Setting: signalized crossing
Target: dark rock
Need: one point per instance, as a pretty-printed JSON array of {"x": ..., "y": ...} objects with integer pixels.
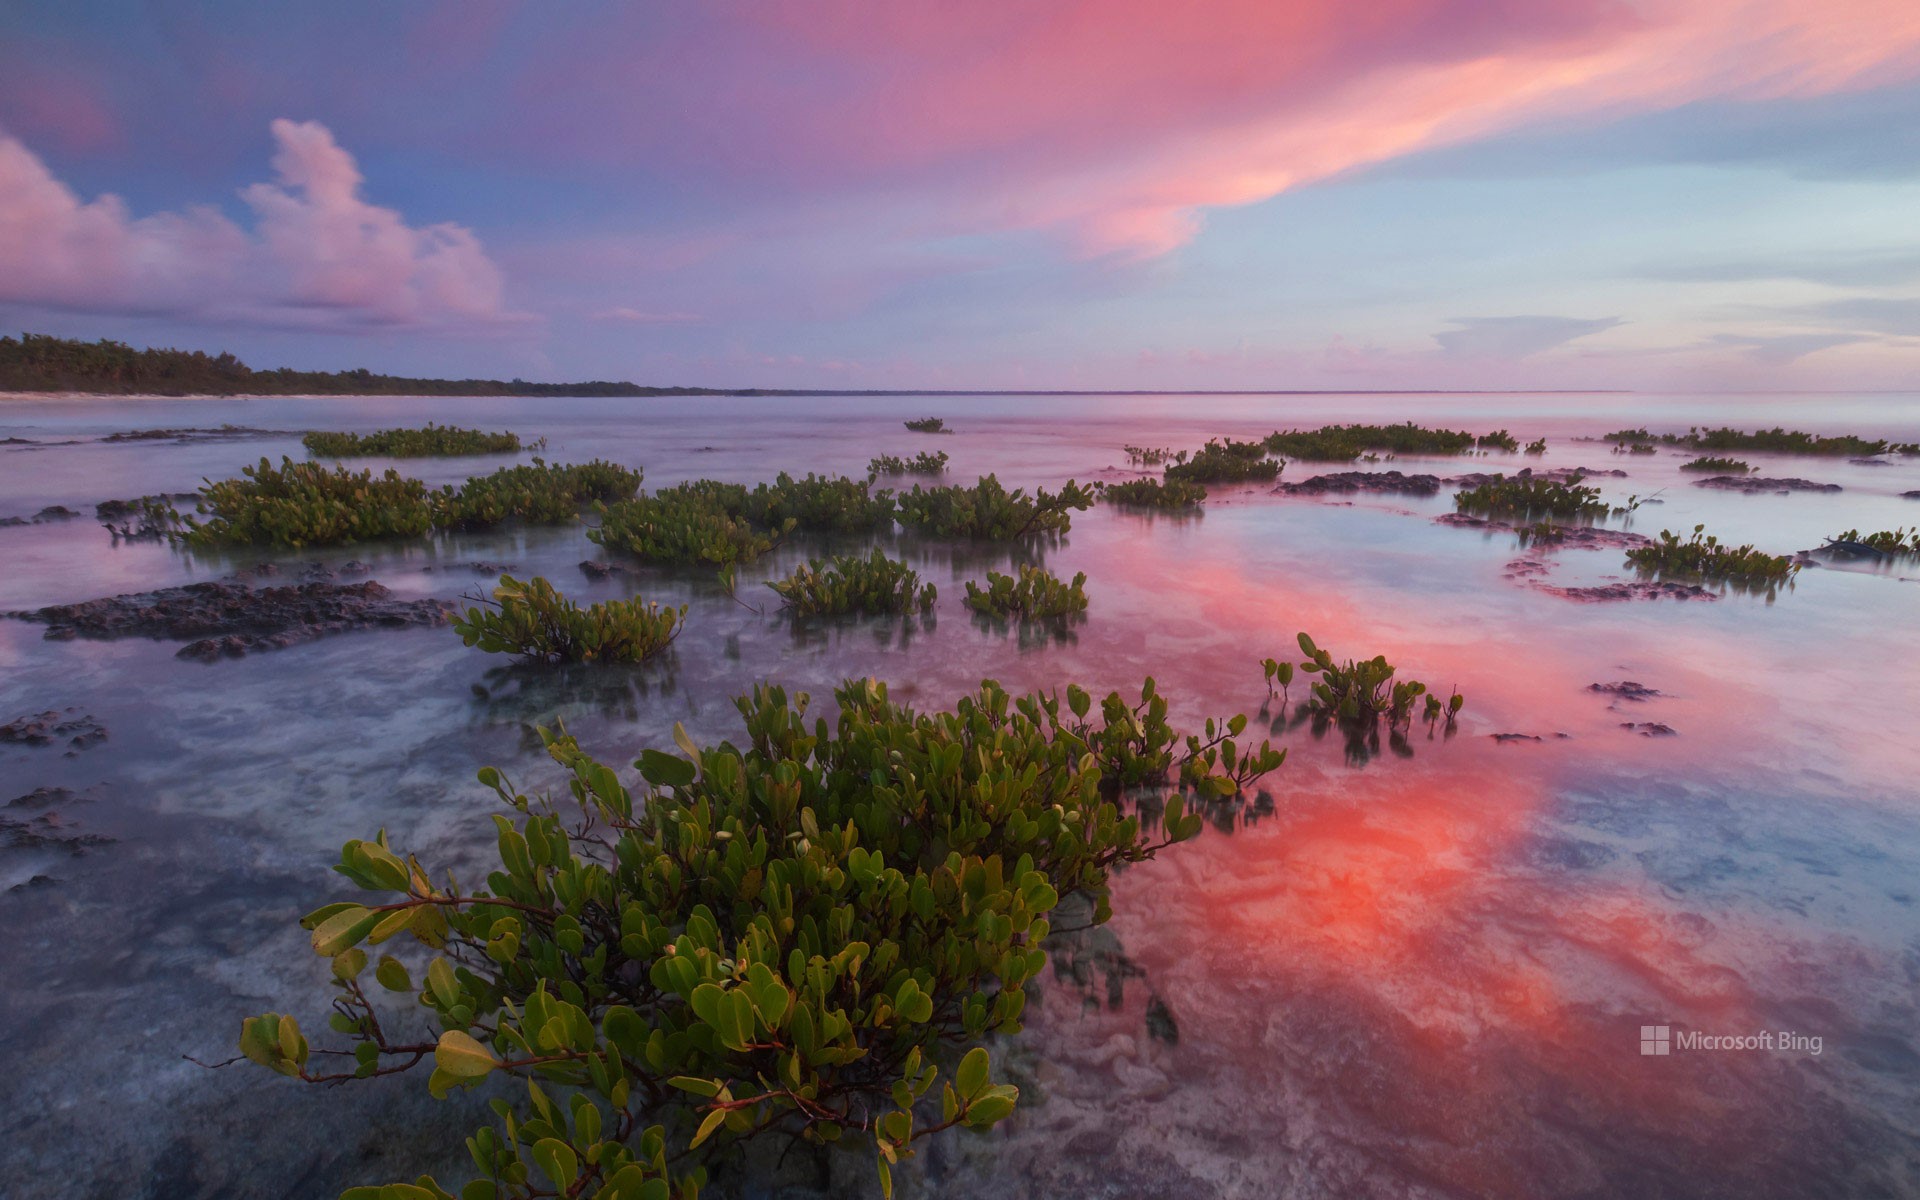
[
  {"x": 1474, "y": 479},
  {"x": 228, "y": 618},
  {"x": 1625, "y": 689},
  {"x": 1160, "y": 1023},
  {"x": 48, "y": 831},
  {"x": 1637, "y": 590},
  {"x": 1569, "y": 537},
  {"x": 225, "y": 433},
  {"x": 10, "y": 521},
  {"x": 1649, "y": 728},
  {"x": 14, "y": 441},
  {"x": 44, "y": 798},
  {"x": 601, "y": 570},
  {"x": 78, "y": 729},
  {"x": 1524, "y": 568},
  {"x": 120, "y": 510},
  {"x": 1508, "y": 738},
  {"x": 36, "y": 881},
  {"x": 1910, "y": 495},
  {"x": 1347, "y": 482},
  {"x": 1752, "y": 485},
  {"x": 1872, "y": 462},
  {"x": 55, "y": 512},
  {"x": 478, "y": 567}
]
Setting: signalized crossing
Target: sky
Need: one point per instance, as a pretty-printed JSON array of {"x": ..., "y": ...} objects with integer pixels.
[{"x": 1077, "y": 194}]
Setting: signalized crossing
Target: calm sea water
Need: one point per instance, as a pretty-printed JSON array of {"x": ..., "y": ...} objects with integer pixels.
[{"x": 1416, "y": 974}]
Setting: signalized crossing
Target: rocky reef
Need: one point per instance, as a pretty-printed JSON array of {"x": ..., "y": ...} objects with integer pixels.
[{"x": 231, "y": 617}]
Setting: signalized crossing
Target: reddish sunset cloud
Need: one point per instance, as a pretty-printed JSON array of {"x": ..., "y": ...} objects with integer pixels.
[{"x": 1118, "y": 123}]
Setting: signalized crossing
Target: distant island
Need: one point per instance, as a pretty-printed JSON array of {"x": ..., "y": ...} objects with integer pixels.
[{"x": 35, "y": 362}]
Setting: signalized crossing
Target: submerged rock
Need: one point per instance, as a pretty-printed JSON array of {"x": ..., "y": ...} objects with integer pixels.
[
  {"x": 478, "y": 567},
  {"x": 1568, "y": 537},
  {"x": 1642, "y": 589},
  {"x": 229, "y": 618},
  {"x": 1649, "y": 728},
  {"x": 1348, "y": 482},
  {"x": 120, "y": 510},
  {"x": 1626, "y": 689},
  {"x": 79, "y": 730},
  {"x": 601, "y": 570},
  {"x": 225, "y": 433},
  {"x": 48, "y": 828},
  {"x": 1751, "y": 485}
]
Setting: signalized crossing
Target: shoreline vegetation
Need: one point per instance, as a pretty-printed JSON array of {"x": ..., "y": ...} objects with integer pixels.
[{"x": 39, "y": 366}]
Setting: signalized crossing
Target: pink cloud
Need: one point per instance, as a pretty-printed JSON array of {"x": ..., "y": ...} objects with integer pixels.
[
  {"x": 1117, "y": 123},
  {"x": 319, "y": 256},
  {"x": 635, "y": 316}
]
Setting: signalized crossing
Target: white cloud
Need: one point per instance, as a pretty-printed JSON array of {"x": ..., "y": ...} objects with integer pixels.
[{"x": 319, "y": 256}]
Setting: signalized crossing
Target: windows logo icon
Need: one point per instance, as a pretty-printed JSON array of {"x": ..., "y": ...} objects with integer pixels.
[{"x": 1656, "y": 1039}]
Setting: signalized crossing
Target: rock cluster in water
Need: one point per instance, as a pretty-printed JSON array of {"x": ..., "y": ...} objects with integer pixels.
[
  {"x": 1751, "y": 485},
  {"x": 231, "y": 617},
  {"x": 1348, "y": 482},
  {"x": 1642, "y": 589},
  {"x": 1626, "y": 689},
  {"x": 34, "y": 822},
  {"x": 52, "y": 512},
  {"x": 79, "y": 730}
]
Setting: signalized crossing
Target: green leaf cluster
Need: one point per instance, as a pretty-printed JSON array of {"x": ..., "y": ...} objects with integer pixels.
[
  {"x": 534, "y": 620},
  {"x": 1702, "y": 556},
  {"x": 1149, "y": 456},
  {"x": 1224, "y": 460},
  {"x": 428, "y": 441},
  {"x": 923, "y": 463},
  {"x": 1527, "y": 495},
  {"x": 307, "y": 504},
  {"x": 1719, "y": 466},
  {"x": 851, "y": 583},
  {"x": 538, "y": 493},
  {"x": 700, "y": 522},
  {"x": 1344, "y": 443},
  {"x": 929, "y": 425},
  {"x": 1152, "y": 493},
  {"x": 1036, "y": 594},
  {"x": 820, "y": 504},
  {"x": 988, "y": 510},
  {"x": 1776, "y": 440},
  {"x": 1499, "y": 439},
  {"x": 795, "y": 933},
  {"x": 1361, "y": 692}
]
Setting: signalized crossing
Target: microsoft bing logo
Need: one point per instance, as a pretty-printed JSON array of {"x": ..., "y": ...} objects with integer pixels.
[{"x": 1656, "y": 1039}]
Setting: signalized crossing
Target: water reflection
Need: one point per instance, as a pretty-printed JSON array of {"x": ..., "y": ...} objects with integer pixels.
[{"x": 1422, "y": 978}]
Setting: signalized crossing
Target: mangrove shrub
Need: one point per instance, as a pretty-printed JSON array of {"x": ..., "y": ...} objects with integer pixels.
[
  {"x": 428, "y": 441},
  {"x": 849, "y": 583},
  {"x": 534, "y": 620},
  {"x": 1036, "y": 594},
  {"x": 806, "y": 932},
  {"x": 989, "y": 510}
]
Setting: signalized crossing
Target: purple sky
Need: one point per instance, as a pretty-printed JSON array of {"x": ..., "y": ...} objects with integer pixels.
[{"x": 1245, "y": 194}]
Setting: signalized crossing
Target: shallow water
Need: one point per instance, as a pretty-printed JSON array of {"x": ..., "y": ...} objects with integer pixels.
[{"x": 1417, "y": 973}]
